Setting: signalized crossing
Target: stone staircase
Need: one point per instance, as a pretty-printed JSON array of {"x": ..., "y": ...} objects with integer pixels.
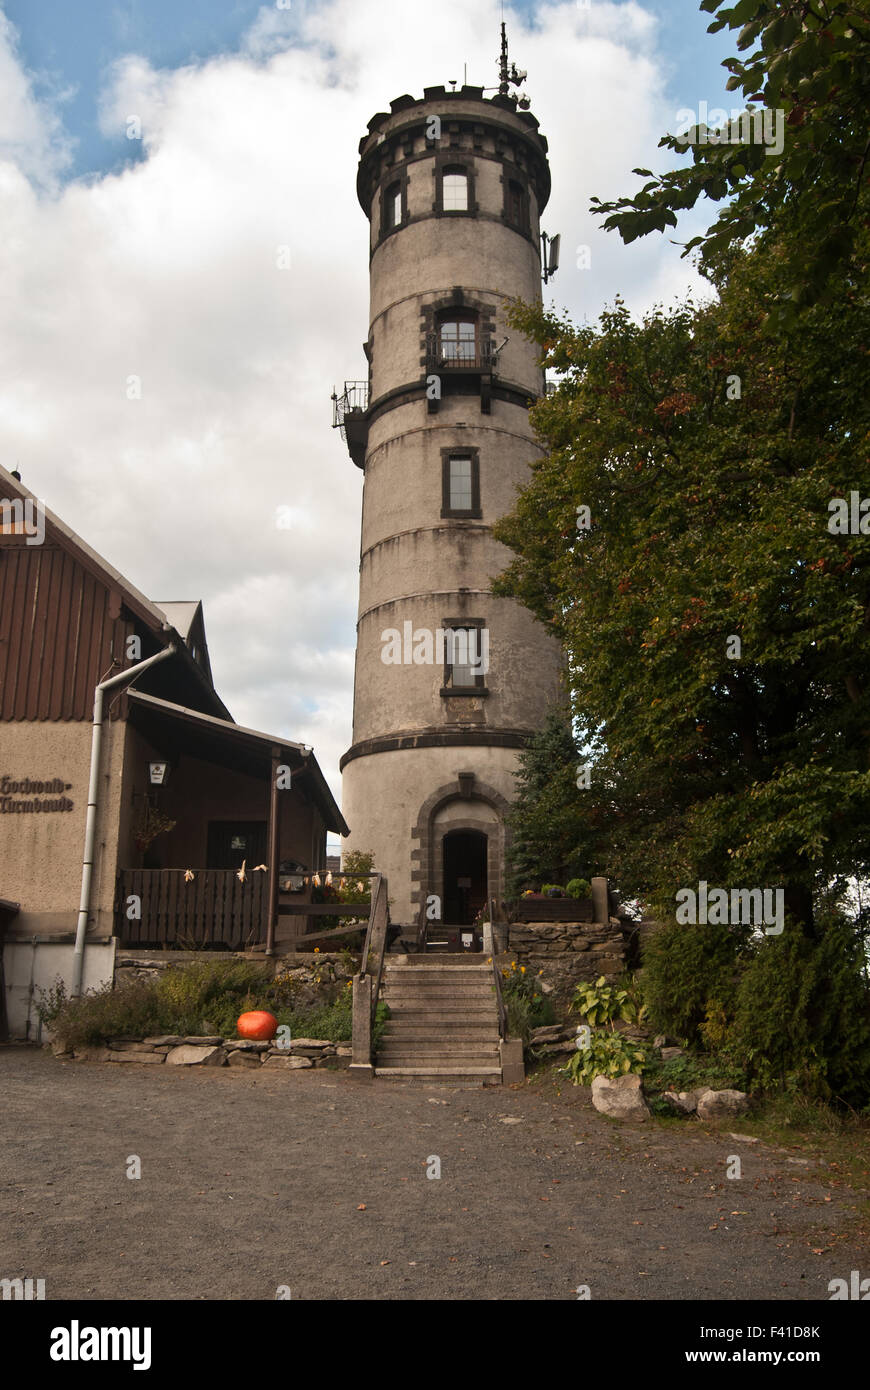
[{"x": 443, "y": 1023}]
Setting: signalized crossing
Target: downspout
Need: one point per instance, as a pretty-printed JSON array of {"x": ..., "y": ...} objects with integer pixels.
[{"x": 93, "y": 793}]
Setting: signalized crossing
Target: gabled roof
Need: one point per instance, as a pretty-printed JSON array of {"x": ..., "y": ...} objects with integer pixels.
[
  {"x": 181, "y": 614},
  {"x": 230, "y": 744}
]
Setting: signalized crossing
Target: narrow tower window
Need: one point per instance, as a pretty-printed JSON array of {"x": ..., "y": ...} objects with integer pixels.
[
  {"x": 466, "y": 657},
  {"x": 460, "y": 483},
  {"x": 454, "y": 190},
  {"x": 393, "y": 206},
  {"x": 517, "y": 206}
]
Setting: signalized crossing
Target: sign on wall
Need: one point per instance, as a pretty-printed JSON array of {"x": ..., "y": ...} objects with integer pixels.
[{"x": 36, "y": 796}]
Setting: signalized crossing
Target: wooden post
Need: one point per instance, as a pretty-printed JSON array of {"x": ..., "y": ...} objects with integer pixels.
[
  {"x": 274, "y": 851},
  {"x": 361, "y": 1061}
]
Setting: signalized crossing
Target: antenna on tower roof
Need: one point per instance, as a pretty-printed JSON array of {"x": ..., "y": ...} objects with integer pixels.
[
  {"x": 510, "y": 74},
  {"x": 503, "y": 62}
]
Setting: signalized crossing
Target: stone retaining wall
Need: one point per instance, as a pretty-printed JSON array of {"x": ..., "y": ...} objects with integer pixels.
[
  {"x": 566, "y": 953},
  {"x": 175, "y": 1050}
]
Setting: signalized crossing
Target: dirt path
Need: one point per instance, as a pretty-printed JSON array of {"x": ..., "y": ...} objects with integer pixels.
[{"x": 251, "y": 1182}]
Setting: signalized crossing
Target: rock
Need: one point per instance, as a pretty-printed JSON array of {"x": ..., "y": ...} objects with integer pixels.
[
  {"x": 552, "y": 1032},
  {"x": 669, "y": 1053},
  {"x": 621, "y": 1098},
  {"x": 129, "y": 1046},
  {"x": 344, "y": 1051},
  {"x": 684, "y": 1101},
  {"x": 125, "y": 1056},
  {"x": 203, "y": 1042},
  {"x": 743, "y": 1138},
  {"x": 313, "y": 1043},
  {"x": 243, "y": 1059},
  {"x": 190, "y": 1055},
  {"x": 60, "y": 1049},
  {"x": 168, "y": 1040},
  {"x": 245, "y": 1045},
  {"x": 93, "y": 1053},
  {"x": 280, "y": 1059},
  {"x": 716, "y": 1105},
  {"x": 551, "y": 1048}
]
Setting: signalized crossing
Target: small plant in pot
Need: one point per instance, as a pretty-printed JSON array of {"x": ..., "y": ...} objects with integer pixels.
[{"x": 553, "y": 890}]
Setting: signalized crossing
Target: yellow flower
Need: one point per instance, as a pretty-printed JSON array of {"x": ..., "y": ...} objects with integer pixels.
[
  {"x": 540, "y": 972},
  {"x": 522, "y": 970},
  {"x": 317, "y": 950}
]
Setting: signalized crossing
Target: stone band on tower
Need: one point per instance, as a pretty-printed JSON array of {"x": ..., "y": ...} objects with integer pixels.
[{"x": 453, "y": 187}]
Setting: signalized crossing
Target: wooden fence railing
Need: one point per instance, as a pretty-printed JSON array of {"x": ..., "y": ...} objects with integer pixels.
[
  {"x": 161, "y": 908},
  {"x": 367, "y": 984}
]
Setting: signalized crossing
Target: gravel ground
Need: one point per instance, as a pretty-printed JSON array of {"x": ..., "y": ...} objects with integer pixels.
[{"x": 319, "y": 1183}]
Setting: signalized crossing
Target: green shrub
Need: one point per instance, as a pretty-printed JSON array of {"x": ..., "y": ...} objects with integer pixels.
[
  {"x": 132, "y": 1010},
  {"x": 525, "y": 1003},
  {"x": 688, "y": 973},
  {"x": 578, "y": 888},
  {"x": 802, "y": 1015},
  {"x": 610, "y": 1052}
]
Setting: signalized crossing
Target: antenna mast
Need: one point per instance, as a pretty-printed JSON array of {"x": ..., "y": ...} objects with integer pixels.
[{"x": 503, "y": 63}]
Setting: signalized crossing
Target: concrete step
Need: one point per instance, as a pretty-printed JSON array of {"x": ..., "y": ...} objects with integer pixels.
[
  {"x": 411, "y": 990},
  {"x": 407, "y": 965},
  {"x": 452, "y": 1033},
  {"x": 439, "y": 1073},
  {"x": 432, "y": 1047},
  {"x": 455, "y": 1013}
]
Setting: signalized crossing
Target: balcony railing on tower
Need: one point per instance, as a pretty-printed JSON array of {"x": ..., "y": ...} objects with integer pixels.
[
  {"x": 464, "y": 355},
  {"x": 349, "y": 415}
]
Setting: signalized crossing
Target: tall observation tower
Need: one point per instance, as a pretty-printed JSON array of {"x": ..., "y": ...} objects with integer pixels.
[{"x": 450, "y": 681}]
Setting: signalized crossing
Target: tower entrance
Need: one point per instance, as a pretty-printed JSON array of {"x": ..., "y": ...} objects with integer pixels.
[{"x": 465, "y": 876}]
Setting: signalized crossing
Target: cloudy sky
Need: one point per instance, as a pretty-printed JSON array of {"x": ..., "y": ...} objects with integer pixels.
[{"x": 157, "y": 257}]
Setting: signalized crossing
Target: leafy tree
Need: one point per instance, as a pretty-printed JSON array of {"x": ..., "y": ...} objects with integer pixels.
[
  {"x": 808, "y": 60},
  {"x": 549, "y": 832},
  {"x": 707, "y": 453}
]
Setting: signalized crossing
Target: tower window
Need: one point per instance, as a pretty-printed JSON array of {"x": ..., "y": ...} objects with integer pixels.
[
  {"x": 393, "y": 207},
  {"x": 454, "y": 190},
  {"x": 457, "y": 339},
  {"x": 453, "y": 185},
  {"x": 517, "y": 205},
  {"x": 460, "y": 496},
  {"x": 466, "y": 657}
]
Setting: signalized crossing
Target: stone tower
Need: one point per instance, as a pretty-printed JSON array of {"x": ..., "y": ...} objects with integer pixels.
[{"x": 453, "y": 186}]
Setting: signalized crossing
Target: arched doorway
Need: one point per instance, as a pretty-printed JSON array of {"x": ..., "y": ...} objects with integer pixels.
[{"x": 465, "y": 876}]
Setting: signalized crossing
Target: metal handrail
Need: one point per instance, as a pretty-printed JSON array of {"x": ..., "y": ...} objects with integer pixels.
[
  {"x": 481, "y": 359},
  {"x": 354, "y": 397},
  {"x": 376, "y": 941}
]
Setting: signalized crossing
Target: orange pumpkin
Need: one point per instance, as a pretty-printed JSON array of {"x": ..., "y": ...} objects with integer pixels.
[{"x": 258, "y": 1025}]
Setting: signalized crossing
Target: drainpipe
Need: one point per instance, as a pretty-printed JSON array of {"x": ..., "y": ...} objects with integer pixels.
[{"x": 93, "y": 792}]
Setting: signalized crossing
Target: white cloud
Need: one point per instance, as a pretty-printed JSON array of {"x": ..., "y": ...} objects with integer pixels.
[
  {"x": 168, "y": 272},
  {"x": 31, "y": 133}
]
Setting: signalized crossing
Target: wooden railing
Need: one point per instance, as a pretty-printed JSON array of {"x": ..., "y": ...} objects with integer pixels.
[
  {"x": 160, "y": 908},
  {"x": 367, "y": 984},
  {"x": 422, "y": 929},
  {"x": 496, "y": 975}
]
